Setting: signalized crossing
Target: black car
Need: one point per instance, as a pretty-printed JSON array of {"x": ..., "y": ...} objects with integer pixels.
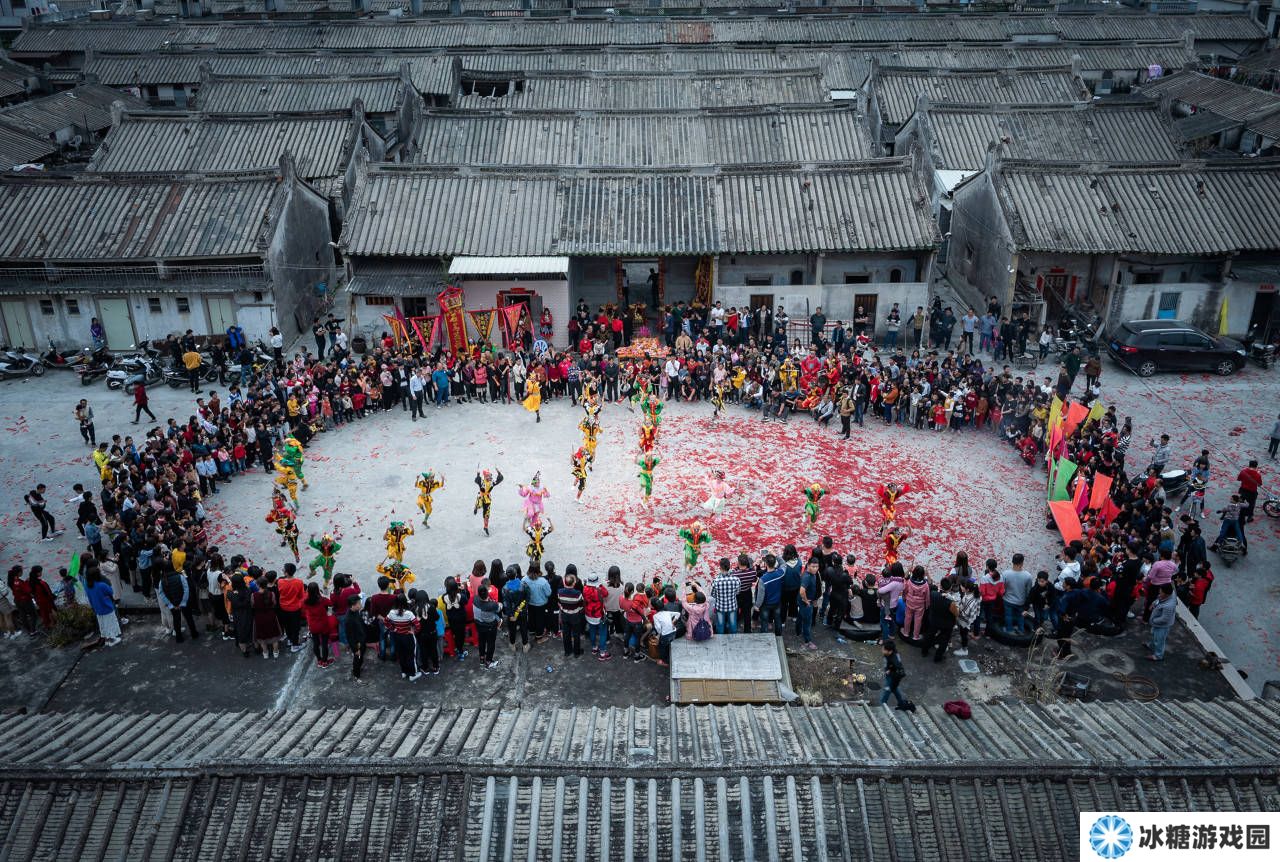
[{"x": 1148, "y": 346}]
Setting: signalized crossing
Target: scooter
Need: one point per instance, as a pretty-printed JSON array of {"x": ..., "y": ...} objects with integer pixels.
[
  {"x": 19, "y": 363},
  {"x": 261, "y": 358},
  {"x": 179, "y": 378},
  {"x": 1229, "y": 549},
  {"x": 1272, "y": 507},
  {"x": 92, "y": 365},
  {"x": 55, "y": 359},
  {"x": 1262, "y": 355},
  {"x": 132, "y": 370}
]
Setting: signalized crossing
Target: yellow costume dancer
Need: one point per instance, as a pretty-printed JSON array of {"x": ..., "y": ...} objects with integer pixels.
[
  {"x": 287, "y": 480},
  {"x": 537, "y": 533},
  {"x": 788, "y": 374},
  {"x": 398, "y": 572},
  {"x": 590, "y": 437},
  {"x": 579, "y": 463},
  {"x": 394, "y": 537},
  {"x": 717, "y": 401},
  {"x": 648, "y": 435},
  {"x": 427, "y": 485},
  {"x": 533, "y": 397},
  {"x": 486, "y": 482}
]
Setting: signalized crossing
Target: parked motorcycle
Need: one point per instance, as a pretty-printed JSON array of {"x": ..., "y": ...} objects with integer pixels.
[
  {"x": 134, "y": 369},
  {"x": 1261, "y": 354},
  {"x": 53, "y": 358},
  {"x": 20, "y": 363},
  {"x": 261, "y": 358},
  {"x": 1272, "y": 507},
  {"x": 177, "y": 378},
  {"x": 93, "y": 365}
]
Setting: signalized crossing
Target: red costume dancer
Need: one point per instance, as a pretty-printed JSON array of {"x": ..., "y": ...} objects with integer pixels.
[
  {"x": 892, "y": 541},
  {"x": 889, "y": 495},
  {"x": 810, "y": 366},
  {"x": 648, "y": 436},
  {"x": 286, "y": 525}
]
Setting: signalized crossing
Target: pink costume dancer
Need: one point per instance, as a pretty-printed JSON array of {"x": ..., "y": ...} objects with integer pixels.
[
  {"x": 534, "y": 495},
  {"x": 717, "y": 490}
]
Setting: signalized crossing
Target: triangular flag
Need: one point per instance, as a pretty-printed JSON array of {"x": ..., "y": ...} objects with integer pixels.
[
  {"x": 1108, "y": 511},
  {"x": 1080, "y": 495},
  {"x": 1097, "y": 411},
  {"x": 1055, "y": 412}
]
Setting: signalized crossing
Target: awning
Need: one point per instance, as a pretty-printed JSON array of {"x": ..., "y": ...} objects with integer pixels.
[{"x": 509, "y": 266}]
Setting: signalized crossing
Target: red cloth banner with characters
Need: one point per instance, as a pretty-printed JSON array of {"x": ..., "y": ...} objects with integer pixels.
[{"x": 454, "y": 318}]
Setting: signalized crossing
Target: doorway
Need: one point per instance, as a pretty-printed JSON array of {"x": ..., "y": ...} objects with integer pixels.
[
  {"x": 114, "y": 314},
  {"x": 17, "y": 325},
  {"x": 222, "y": 314},
  {"x": 1264, "y": 308}
]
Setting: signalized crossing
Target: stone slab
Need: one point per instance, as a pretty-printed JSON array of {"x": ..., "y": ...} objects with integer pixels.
[{"x": 735, "y": 657}]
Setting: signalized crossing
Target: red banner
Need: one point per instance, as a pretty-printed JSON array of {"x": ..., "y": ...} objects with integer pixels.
[
  {"x": 1101, "y": 491},
  {"x": 511, "y": 324},
  {"x": 417, "y": 330},
  {"x": 454, "y": 317},
  {"x": 435, "y": 332},
  {"x": 1068, "y": 522}
]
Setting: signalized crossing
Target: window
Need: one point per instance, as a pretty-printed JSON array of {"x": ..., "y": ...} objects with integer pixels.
[
  {"x": 895, "y": 276},
  {"x": 379, "y": 300},
  {"x": 492, "y": 88},
  {"x": 417, "y": 306},
  {"x": 757, "y": 281},
  {"x": 153, "y": 304},
  {"x": 797, "y": 276},
  {"x": 1168, "y": 305},
  {"x": 73, "y": 307},
  {"x": 184, "y": 305},
  {"x": 1146, "y": 278},
  {"x": 257, "y": 296},
  {"x": 1172, "y": 339},
  {"x": 857, "y": 278},
  {"x": 46, "y": 307}
]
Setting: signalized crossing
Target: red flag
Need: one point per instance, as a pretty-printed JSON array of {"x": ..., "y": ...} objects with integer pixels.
[
  {"x": 1080, "y": 495},
  {"x": 1101, "y": 491},
  {"x": 1108, "y": 511},
  {"x": 418, "y": 332},
  {"x": 1064, "y": 515},
  {"x": 1076, "y": 413}
]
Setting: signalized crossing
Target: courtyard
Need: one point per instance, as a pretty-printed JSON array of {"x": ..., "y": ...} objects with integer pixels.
[{"x": 968, "y": 492}]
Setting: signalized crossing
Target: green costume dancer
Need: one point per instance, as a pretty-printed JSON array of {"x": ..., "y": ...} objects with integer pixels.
[
  {"x": 646, "y": 463},
  {"x": 812, "y": 495},
  {"x": 651, "y": 406},
  {"x": 291, "y": 456},
  {"x": 326, "y": 548},
  {"x": 695, "y": 536}
]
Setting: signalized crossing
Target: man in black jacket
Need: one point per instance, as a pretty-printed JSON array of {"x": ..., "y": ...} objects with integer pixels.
[
  {"x": 175, "y": 592},
  {"x": 357, "y": 637}
]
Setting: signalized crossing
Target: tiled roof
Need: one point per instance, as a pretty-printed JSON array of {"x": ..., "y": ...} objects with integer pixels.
[
  {"x": 430, "y": 74},
  {"x": 961, "y": 134},
  {"x": 720, "y": 783},
  {"x": 619, "y": 92},
  {"x": 160, "y": 143},
  {"x": 873, "y": 205},
  {"x": 474, "y": 33},
  {"x": 87, "y": 106},
  {"x": 1223, "y": 97},
  {"x": 19, "y": 148},
  {"x": 896, "y": 90},
  {"x": 96, "y": 217},
  {"x": 1198, "y": 208},
  {"x": 225, "y": 95},
  {"x": 657, "y": 140}
]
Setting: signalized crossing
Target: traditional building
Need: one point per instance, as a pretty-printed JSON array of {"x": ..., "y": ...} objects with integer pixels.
[{"x": 151, "y": 254}]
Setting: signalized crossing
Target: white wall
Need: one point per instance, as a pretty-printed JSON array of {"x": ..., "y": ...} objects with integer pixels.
[{"x": 69, "y": 331}]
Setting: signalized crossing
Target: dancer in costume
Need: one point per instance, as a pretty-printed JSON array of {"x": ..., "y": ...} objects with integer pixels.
[
  {"x": 591, "y": 403},
  {"x": 889, "y": 495},
  {"x": 533, "y": 397},
  {"x": 893, "y": 539},
  {"x": 486, "y": 482},
  {"x": 287, "y": 480},
  {"x": 325, "y": 550},
  {"x": 579, "y": 463},
  {"x": 398, "y": 572},
  {"x": 590, "y": 437},
  {"x": 537, "y": 533},
  {"x": 695, "y": 536},
  {"x": 427, "y": 485},
  {"x": 292, "y": 456},
  {"x": 648, "y": 435},
  {"x": 394, "y": 537},
  {"x": 812, "y": 495},
  {"x": 639, "y": 391},
  {"x": 788, "y": 374},
  {"x": 717, "y": 402},
  {"x": 717, "y": 490},
  {"x": 286, "y": 525},
  {"x": 534, "y": 496},
  {"x": 652, "y": 406},
  {"x": 646, "y": 462}
]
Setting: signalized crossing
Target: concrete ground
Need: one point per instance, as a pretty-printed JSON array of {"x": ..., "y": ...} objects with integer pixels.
[{"x": 971, "y": 493}]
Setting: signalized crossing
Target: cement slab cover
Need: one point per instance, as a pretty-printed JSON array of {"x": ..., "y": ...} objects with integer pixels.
[{"x": 753, "y": 656}]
